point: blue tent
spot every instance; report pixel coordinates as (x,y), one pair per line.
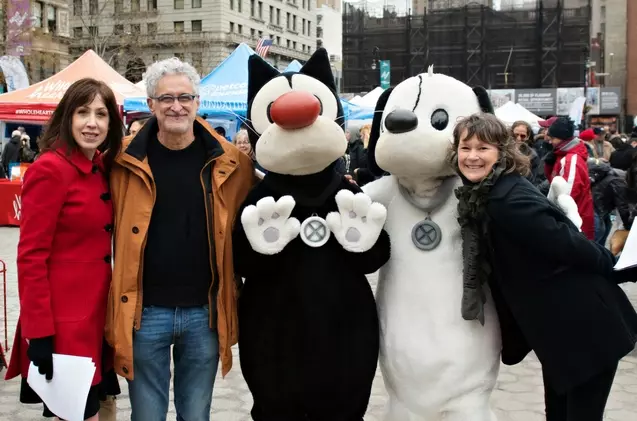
(222,91)
(356,112)
(294,66)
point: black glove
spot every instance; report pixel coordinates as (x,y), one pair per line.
(40,352)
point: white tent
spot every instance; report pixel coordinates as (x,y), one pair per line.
(355,100)
(371,98)
(528,116)
(510,113)
(141,84)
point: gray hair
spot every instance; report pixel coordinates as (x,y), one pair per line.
(171,66)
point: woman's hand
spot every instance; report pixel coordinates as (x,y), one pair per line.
(40,352)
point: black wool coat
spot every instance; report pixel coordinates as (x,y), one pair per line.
(555,291)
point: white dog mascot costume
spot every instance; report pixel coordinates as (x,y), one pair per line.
(437,364)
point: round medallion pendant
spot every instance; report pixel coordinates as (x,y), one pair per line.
(314,231)
(426,235)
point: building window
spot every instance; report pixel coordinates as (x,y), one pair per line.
(287,43)
(309,28)
(602,13)
(240,29)
(319,32)
(93,7)
(135,29)
(196,4)
(294,45)
(303,26)
(178,4)
(152,5)
(272,14)
(252,32)
(118,29)
(278,17)
(180,56)
(240,6)
(51,18)
(179,26)
(77,32)
(77,7)
(155,58)
(151,28)
(231,4)
(37,14)
(304,4)
(118,6)
(289,21)
(93,31)
(294,23)
(260,10)
(195,26)
(278,40)
(134,6)
(197,60)
(260,34)
(252,8)
(231,26)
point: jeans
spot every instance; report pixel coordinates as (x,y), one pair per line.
(196,357)
(602,229)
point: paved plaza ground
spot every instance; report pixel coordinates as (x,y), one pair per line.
(519,395)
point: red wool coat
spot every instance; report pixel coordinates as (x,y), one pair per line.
(64,258)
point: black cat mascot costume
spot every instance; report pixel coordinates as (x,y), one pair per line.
(308,328)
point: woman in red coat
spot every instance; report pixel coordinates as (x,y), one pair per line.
(64,253)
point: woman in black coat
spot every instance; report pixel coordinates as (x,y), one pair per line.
(554,290)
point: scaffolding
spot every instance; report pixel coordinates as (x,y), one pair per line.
(542,46)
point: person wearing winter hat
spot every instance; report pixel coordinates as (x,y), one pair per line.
(11,152)
(569,160)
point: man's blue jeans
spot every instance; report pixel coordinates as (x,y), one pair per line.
(196,357)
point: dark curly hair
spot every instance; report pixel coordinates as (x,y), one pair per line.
(527,126)
(490,130)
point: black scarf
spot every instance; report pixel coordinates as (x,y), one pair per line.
(472,203)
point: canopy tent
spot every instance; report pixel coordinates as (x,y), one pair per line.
(294,66)
(371,98)
(37,102)
(356,99)
(357,112)
(510,113)
(223,91)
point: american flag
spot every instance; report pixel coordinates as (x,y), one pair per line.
(263,45)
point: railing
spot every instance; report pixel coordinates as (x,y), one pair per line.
(3,275)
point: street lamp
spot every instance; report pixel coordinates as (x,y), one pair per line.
(375,55)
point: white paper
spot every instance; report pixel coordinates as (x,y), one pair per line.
(628,258)
(65,395)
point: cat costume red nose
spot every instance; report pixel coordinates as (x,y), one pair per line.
(295,110)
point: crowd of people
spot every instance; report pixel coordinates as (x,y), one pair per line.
(156,196)
(599,165)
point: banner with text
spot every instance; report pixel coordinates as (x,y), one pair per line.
(19,28)
(548,102)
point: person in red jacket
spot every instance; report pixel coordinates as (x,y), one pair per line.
(64,252)
(568,160)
